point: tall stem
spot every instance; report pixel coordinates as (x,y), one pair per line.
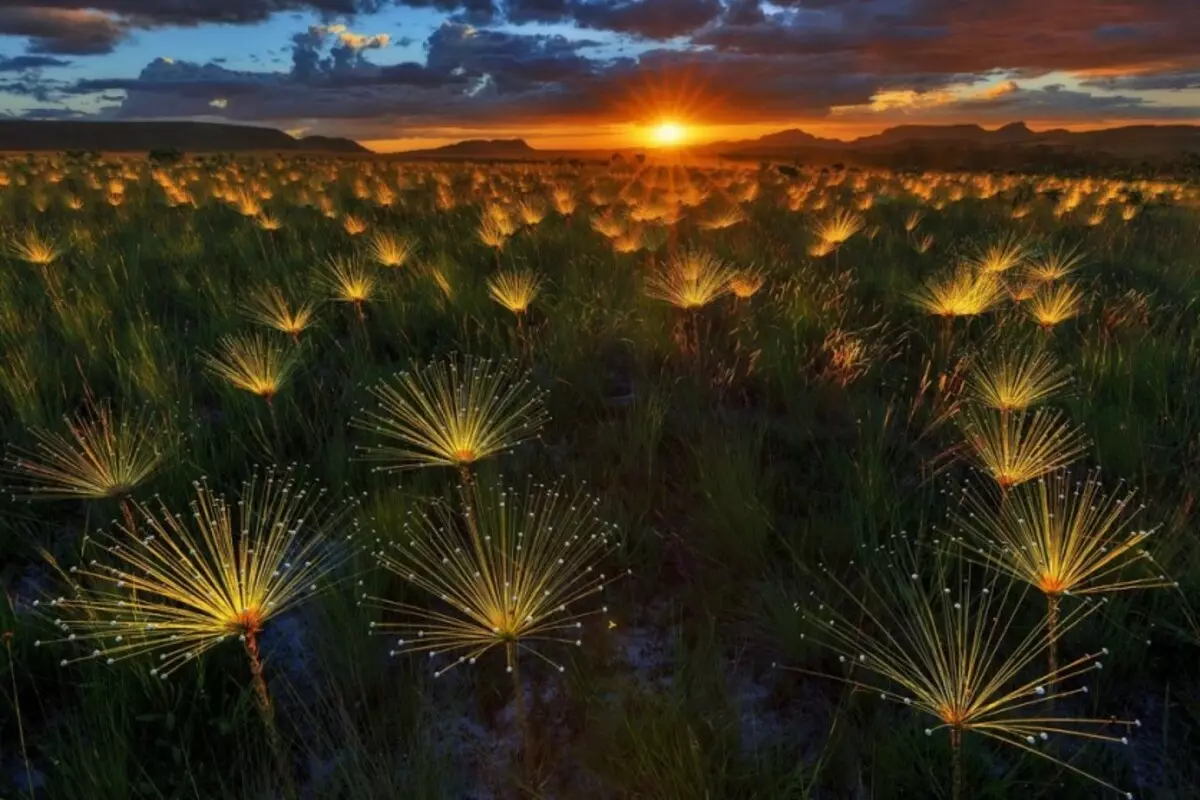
(1052,617)
(510,649)
(266,712)
(12,667)
(127,514)
(956,763)
(465,475)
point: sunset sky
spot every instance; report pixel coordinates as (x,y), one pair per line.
(398,74)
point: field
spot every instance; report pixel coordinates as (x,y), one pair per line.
(640,481)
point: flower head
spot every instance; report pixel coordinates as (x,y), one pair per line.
(179,584)
(452,413)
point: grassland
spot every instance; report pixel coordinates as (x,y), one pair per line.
(741,367)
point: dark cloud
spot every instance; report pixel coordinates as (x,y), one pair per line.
(651,19)
(513,61)
(1171,80)
(151,13)
(23,63)
(646,19)
(955,36)
(62,31)
(523,11)
(750,61)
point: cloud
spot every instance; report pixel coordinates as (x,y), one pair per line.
(954,36)
(1169,80)
(154,13)
(23,63)
(62,31)
(748,61)
(650,19)
(644,19)
(1009,101)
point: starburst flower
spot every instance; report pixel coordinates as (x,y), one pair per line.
(507,570)
(690,279)
(1055,304)
(391,250)
(178,585)
(493,233)
(514,289)
(252,363)
(269,308)
(1056,264)
(1064,536)
(1017,379)
(349,281)
(35,249)
(564,200)
(353,225)
(1017,447)
(452,413)
(1002,255)
(935,640)
(267,222)
(104,454)
(746,283)
(531,211)
(963,293)
(839,229)
(722,218)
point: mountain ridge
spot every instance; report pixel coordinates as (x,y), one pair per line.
(1127,141)
(1011,140)
(187,136)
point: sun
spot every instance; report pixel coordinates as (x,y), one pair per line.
(668,133)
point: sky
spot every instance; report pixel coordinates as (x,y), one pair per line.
(401,74)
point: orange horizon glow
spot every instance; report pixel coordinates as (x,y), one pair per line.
(634,136)
(668,133)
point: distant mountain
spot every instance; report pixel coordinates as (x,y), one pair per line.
(1133,141)
(481,149)
(188,137)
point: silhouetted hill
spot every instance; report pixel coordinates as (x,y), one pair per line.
(482,149)
(189,137)
(1132,141)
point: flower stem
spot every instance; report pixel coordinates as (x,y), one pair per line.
(510,650)
(12,667)
(956,763)
(266,712)
(1052,617)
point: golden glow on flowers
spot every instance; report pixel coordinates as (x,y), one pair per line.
(252,363)
(505,571)
(514,289)
(391,250)
(452,413)
(690,279)
(34,249)
(1064,536)
(1055,304)
(963,293)
(269,308)
(934,638)
(1002,255)
(104,454)
(1017,447)
(1017,380)
(180,584)
(350,281)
